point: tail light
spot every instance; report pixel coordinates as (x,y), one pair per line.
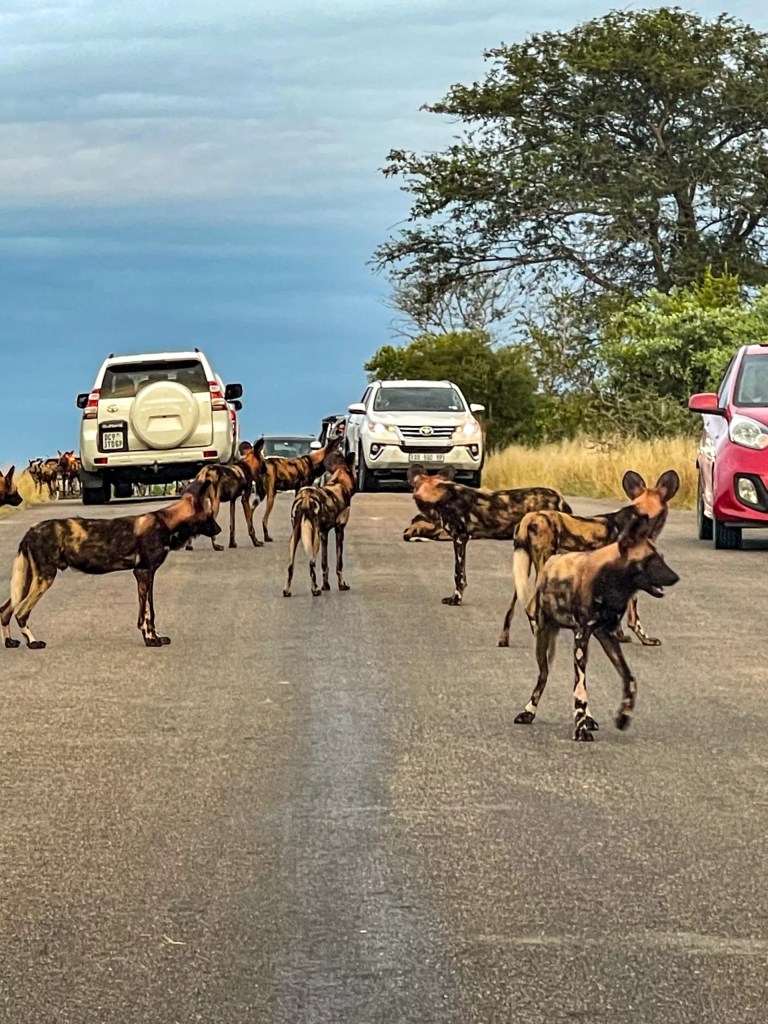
(218,403)
(91,410)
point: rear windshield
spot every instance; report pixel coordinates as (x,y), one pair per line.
(125,380)
(287,447)
(418,400)
(752,385)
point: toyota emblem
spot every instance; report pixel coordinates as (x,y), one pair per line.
(111,408)
(426,431)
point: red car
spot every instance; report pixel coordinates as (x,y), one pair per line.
(733,453)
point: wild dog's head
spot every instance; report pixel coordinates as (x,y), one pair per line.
(322,456)
(8,493)
(253,456)
(430,488)
(640,562)
(342,469)
(194,513)
(653,501)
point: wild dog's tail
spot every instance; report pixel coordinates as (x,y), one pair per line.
(563,506)
(521,571)
(21,577)
(305,510)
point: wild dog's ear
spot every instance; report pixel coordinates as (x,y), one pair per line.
(415,473)
(244,447)
(668,485)
(258,446)
(9,475)
(447,473)
(332,445)
(633,484)
(636,531)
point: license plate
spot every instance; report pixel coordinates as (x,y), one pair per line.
(112,440)
(426,457)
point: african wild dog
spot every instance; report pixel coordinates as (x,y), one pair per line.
(97,546)
(315,512)
(588,592)
(542,534)
(470,512)
(421,528)
(293,474)
(34,469)
(69,470)
(228,483)
(8,493)
(49,476)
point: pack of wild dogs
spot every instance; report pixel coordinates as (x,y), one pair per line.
(587,571)
(58,477)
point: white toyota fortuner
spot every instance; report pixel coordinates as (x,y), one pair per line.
(401,422)
(154,418)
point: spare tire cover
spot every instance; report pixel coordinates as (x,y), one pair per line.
(164,414)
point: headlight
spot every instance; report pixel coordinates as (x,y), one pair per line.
(470,429)
(748,432)
(381,428)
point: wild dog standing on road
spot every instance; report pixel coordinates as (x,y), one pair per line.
(97,546)
(8,493)
(292,474)
(49,476)
(421,528)
(315,512)
(543,534)
(470,512)
(228,483)
(588,592)
(34,469)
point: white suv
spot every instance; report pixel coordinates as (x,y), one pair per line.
(401,422)
(154,418)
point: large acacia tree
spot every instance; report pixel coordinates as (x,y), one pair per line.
(629,153)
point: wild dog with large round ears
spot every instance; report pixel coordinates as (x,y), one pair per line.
(543,534)
(97,546)
(292,474)
(474,512)
(228,483)
(8,493)
(588,593)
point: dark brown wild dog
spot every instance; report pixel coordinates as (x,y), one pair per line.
(228,483)
(97,546)
(472,512)
(420,528)
(292,474)
(314,513)
(8,493)
(543,534)
(588,592)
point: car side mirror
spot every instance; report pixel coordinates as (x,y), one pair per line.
(315,446)
(233,391)
(82,401)
(706,402)
(356,409)
(474,407)
(236,405)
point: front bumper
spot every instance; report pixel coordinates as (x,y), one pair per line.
(392,460)
(732,463)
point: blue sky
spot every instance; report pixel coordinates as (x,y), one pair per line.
(200,172)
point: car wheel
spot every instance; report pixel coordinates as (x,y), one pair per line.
(727,537)
(704,525)
(365,479)
(97,495)
(474,480)
(123,490)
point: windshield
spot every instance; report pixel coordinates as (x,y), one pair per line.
(125,380)
(418,400)
(287,447)
(752,385)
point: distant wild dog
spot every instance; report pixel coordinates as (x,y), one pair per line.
(34,469)
(588,592)
(421,528)
(542,534)
(470,512)
(315,512)
(49,476)
(97,546)
(69,471)
(292,474)
(8,493)
(230,483)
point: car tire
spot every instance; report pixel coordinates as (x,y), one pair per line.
(727,538)
(474,480)
(365,479)
(97,495)
(704,525)
(123,490)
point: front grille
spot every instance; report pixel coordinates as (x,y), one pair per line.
(438,433)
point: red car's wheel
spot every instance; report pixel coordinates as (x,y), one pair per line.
(704,525)
(727,537)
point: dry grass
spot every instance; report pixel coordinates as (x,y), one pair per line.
(26,488)
(591,470)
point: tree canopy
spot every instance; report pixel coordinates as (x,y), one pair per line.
(626,154)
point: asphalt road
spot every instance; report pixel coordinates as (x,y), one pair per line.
(319,811)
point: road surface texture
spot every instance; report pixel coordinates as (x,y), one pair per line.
(320,811)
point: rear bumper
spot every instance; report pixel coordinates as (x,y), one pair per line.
(159,467)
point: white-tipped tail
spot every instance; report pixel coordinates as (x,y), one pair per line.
(19,579)
(307,536)
(521,570)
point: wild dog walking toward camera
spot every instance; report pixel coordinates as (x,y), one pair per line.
(470,512)
(588,593)
(97,546)
(543,534)
(8,493)
(292,474)
(230,483)
(315,512)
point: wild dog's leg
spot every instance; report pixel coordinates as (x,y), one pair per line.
(36,587)
(324,559)
(611,647)
(504,637)
(145,579)
(292,545)
(6,612)
(268,510)
(339,530)
(546,638)
(634,624)
(232,542)
(248,510)
(583,723)
(316,591)
(188,545)
(459,569)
